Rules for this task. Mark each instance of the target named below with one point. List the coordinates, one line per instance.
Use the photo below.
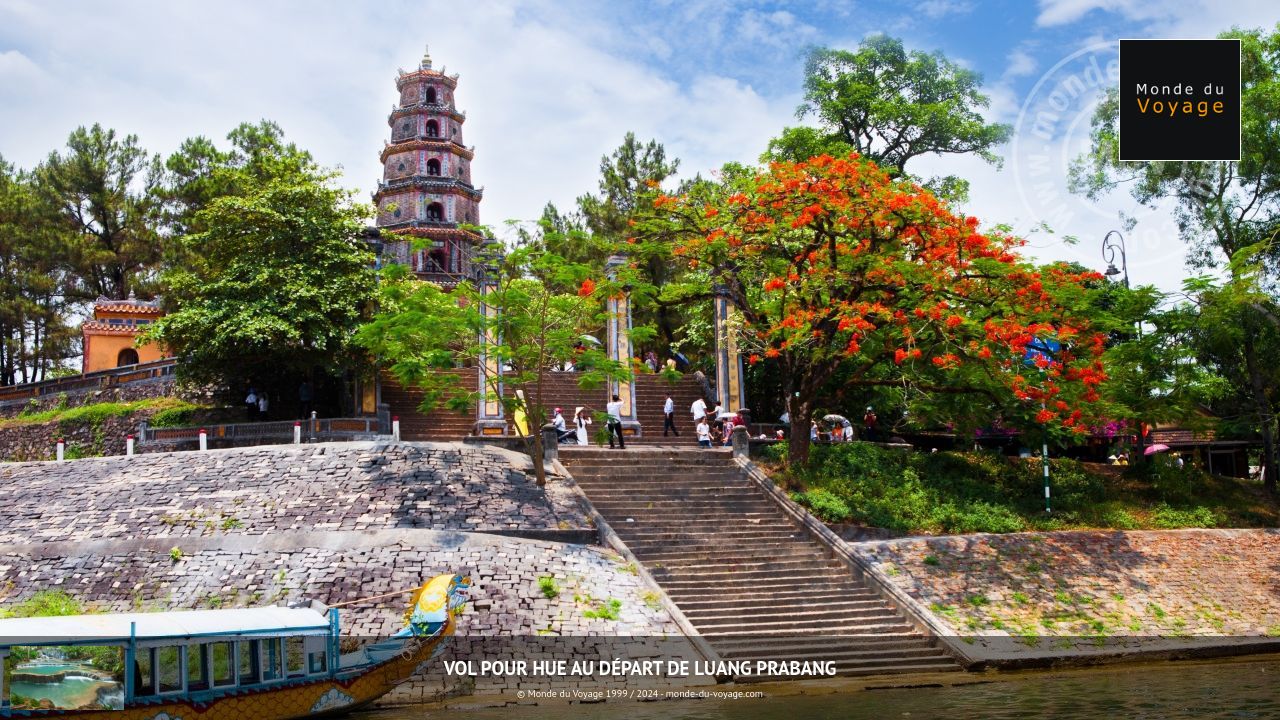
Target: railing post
(61, 449)
(297, 432)
(741, 439)
(204, 440)
(314, 428)
(395, 428)
(128, 446)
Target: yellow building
(109, 337)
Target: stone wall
(159, 387)
(508, 613)
(265, 489)
(1037, 598)
(336, 522)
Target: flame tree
(832, 262)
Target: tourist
(814, 432)
(651, 361)
(262, 406)
(251, 405)
(304, 400)
(704, 432)
(869, 424)
(562, 432)
(669, 417)
(615, 422)
(846, 430)
(699, 410)
(581, 419)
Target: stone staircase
(749, 579)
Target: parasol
(1158, 447)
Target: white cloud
(937, 9)
(1021, 63)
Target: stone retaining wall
(327, 486)
(1048, 598)
(508, 612)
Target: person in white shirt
(581, 419)
(262, 406)
(615, 422)
(704, 432)
(669, 417)
(562, 432)
(699, 410)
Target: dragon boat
(265, 663)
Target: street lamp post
(1109, 248)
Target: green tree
(890, 106)
(519, 322)
(104, 188)
(1224, 210)
(627, 177)
(36, 336)
(283, 279)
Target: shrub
(1169, 518)
(176, 416)
(825, 504)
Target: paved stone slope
(509, 612)
(1091, 592)
(329, 486)
(747, 578)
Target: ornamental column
(490, 418)
(619, 347)
(731, 391)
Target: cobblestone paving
(329, 486)
(1065, 591)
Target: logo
(1179, 100)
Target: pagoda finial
(426, 58)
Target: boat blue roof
(69, 629)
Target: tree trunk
(801, 410)
(1266, 418)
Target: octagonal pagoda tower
(426, 188)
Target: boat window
(168, 664)
(295, 657)
(272, 660)
(144, 678)
(247, 659)
(197, 667)
(221, 662)
(317, 653)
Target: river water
(1172, 691)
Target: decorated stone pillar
(731, 391)
(618, 345)
(490, 418)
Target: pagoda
(426, 189)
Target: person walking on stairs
(699, 410)
(704, 432)
(669, 417)
(615, 422)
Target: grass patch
(549, 587)
(968, 492)
(605, 610)
(169, 409)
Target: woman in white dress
(581, 419)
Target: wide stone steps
(757, 585)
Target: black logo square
(1180, 100)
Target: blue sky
(551, 86)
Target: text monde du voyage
(631, 668)
(1179, 99)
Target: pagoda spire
(426, 190)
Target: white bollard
(297, 432)
(204, 439)
(128, 445)
(395, 428)
(62, 447)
